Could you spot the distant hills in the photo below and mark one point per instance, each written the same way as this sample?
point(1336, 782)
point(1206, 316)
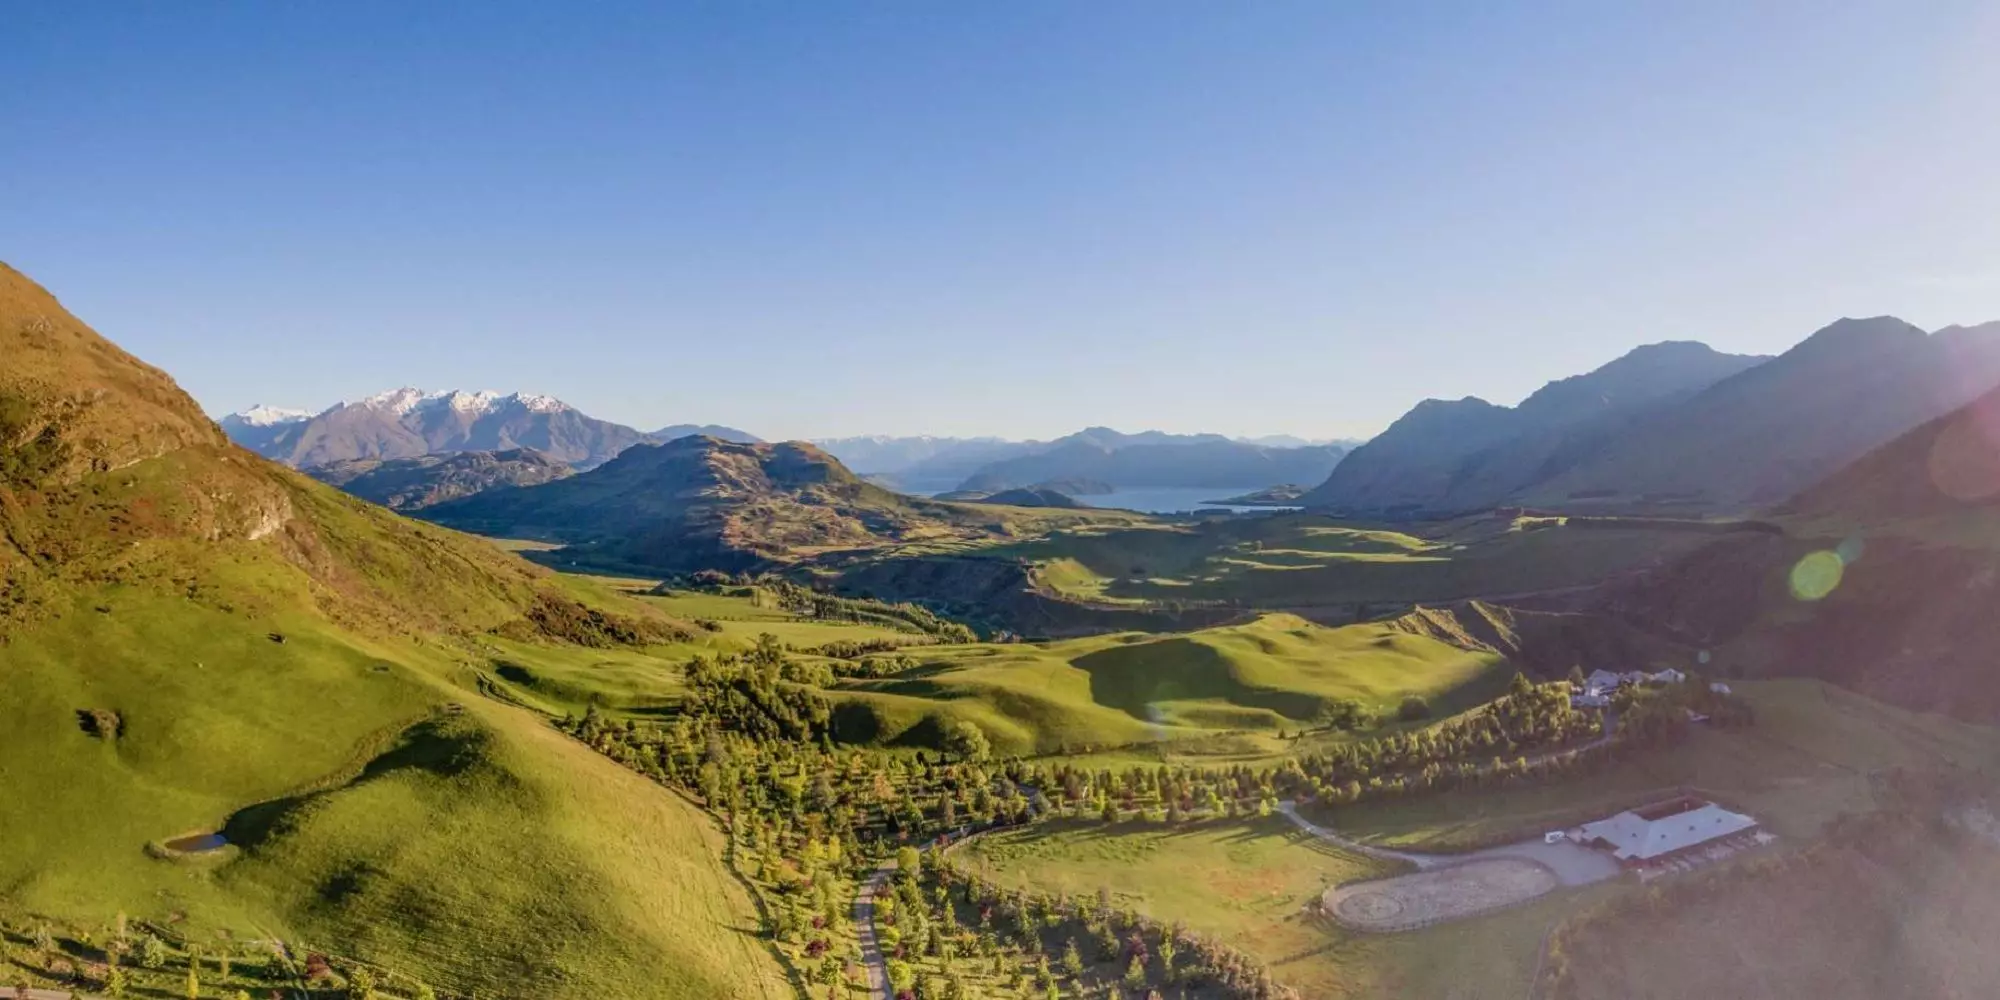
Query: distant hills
point(1156, 460)
point(409, 484)
point(412, 423)
point(1674, 427)
point(705, 503)
point(929, 465)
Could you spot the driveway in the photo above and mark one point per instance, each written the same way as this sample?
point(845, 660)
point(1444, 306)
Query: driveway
point(872, 961)
point(1573, 864)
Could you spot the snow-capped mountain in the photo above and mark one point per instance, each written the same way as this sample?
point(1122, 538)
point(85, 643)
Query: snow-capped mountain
point(411, 422)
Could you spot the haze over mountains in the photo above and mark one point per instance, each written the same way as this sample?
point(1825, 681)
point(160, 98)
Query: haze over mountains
point(1671, 427)
point(1148, 459)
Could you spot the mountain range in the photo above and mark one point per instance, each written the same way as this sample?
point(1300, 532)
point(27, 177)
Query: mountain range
point(1153, 460)
point(929, 465)
point(1671, 427)
point(412, 423)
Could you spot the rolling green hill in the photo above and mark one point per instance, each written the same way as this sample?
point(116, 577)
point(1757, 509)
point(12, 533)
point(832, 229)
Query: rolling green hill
point(193, 639)
point(1279, 671)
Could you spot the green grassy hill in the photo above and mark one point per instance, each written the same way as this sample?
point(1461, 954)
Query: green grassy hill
point(1277, 672)
point(1307, 561)
point(193, 639)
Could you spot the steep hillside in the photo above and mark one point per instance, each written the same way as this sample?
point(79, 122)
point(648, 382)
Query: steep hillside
point(1885, 583)
point(416, 483)
point(704, 503)
point(1451, 457)
point(1153, 460)
point(1757, 438)
point(193, 639)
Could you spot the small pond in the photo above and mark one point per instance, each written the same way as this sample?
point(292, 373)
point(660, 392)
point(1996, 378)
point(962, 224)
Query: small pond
point(197, 843)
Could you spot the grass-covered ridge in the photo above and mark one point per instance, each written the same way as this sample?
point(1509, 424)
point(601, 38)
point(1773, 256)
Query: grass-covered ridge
point(193, 639)
point(1278, 672)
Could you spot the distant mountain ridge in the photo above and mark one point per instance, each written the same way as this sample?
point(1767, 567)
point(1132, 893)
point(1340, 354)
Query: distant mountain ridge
point(924, 464)
point(1152, 459)
point(412, 423)
point(1672, 427)
point(705, 503)
point(1468, 454)
point(410, 484)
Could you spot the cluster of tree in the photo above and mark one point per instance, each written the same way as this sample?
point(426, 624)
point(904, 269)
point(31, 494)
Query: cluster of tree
point(948, 922)
point(552, 616)
point(777, 591)
point(128, 959)
point(869, 796)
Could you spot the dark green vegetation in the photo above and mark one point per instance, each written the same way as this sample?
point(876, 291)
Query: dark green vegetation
point(1031, 497)
point(1673, 427)
point(416, 483)
point(193, 639)
point(1341, 570)
point(1286, 495)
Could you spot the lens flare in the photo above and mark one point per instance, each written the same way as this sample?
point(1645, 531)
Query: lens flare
point(1817, 575)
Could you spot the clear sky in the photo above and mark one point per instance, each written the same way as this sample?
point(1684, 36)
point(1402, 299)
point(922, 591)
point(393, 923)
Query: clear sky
point(1018, 218)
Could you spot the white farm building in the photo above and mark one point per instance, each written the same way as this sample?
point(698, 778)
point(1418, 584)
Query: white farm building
point(1643, 836)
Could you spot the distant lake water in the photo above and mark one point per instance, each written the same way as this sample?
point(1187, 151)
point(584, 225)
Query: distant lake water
point(1168, 501)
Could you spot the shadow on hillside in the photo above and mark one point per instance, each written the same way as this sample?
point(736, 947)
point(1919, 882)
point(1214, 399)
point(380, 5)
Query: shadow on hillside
point(426, 746)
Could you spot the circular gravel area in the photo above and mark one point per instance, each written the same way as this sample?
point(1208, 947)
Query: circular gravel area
point(1452, 893)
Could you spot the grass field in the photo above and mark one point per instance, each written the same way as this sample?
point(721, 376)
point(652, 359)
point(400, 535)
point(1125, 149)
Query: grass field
point(1308, 560)
point(454, 851)
point(1817, 752)
point(1279, 671)
point(1248, 883)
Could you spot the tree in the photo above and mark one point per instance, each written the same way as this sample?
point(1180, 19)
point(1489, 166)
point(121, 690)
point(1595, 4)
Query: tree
point(968, 742)
point(115, 984)
point(361, 984)
point(1135, 973)
point(193, 979)
point(901, 976)
point(1072, 960)
point(1413, 708)
point(152, 953)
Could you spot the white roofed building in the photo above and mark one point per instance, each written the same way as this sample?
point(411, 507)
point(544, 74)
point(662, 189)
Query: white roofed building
point(1642, 836)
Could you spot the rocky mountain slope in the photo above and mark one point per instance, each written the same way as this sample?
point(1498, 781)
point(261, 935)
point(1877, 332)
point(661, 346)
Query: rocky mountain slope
point(415, 483)
point(1454, 456)
point(411, 423)
point(254, 633)
point(1757, 438)
point(1885, 582)
point(701, 502)
point(1156, 460)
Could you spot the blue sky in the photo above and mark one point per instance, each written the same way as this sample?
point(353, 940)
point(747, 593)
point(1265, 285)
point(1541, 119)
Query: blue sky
point(810, 219)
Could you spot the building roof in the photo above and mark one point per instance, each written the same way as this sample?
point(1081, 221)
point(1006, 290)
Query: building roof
point(1634, 837)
